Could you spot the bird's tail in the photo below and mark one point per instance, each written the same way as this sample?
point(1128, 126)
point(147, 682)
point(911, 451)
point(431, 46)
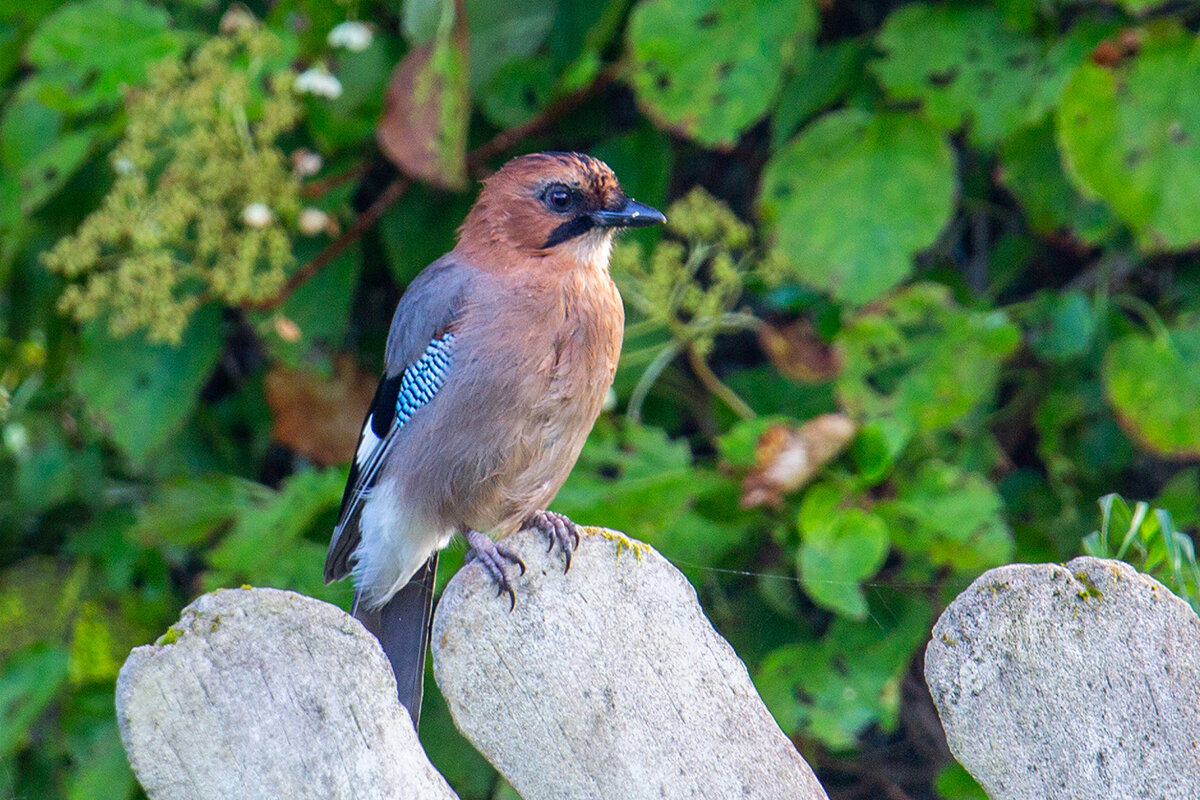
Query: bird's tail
point(402, 626)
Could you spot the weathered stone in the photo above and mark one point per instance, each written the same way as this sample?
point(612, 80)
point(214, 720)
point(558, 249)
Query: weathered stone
point(260, 693)
point(606, 682)
point(1070, 682)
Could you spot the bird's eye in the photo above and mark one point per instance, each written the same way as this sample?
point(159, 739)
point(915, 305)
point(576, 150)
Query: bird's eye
point(558, 198)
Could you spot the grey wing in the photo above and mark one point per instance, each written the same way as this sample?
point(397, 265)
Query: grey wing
point(420, 354)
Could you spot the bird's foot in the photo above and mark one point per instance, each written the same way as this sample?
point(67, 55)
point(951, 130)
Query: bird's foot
point(558, 529)
point(493, 557)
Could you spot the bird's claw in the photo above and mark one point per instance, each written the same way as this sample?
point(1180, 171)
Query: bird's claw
point(493, 557)
point(559, 529)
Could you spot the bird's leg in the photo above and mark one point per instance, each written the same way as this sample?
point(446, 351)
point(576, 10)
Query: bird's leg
point(493, 556)
point(558, 529)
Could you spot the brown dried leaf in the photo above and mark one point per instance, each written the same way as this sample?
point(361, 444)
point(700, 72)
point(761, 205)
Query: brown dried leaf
point(317, 417)
point(423, 130)
point(797, 351)
point(787, 458)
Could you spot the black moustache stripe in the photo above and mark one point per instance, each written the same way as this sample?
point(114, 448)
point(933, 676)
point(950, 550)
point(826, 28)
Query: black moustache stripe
point(569, 230)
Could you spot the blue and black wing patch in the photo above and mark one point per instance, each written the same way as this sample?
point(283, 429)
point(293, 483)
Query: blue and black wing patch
point(396, 400)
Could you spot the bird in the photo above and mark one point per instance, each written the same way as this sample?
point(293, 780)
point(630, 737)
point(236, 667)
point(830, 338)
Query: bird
point(498, 360)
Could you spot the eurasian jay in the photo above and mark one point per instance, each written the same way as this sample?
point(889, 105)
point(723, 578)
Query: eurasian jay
point(498, 359)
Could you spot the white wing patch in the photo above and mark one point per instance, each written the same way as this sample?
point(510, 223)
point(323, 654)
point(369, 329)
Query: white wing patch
point(367, 442)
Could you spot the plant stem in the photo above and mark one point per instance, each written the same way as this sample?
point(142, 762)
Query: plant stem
point(714, 385)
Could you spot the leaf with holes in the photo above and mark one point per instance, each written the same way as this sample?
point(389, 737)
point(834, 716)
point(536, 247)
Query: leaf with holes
point(950, 516)
point(710, 69)
point(835, 687)
point(1131, 135)
point(1154, 386)
point(855, 196)
point(921, 359)
point(963, 64)
point(94, 48)
point(423, 130)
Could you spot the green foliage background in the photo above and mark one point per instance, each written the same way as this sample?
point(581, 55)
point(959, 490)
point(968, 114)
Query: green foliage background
point(981, 218)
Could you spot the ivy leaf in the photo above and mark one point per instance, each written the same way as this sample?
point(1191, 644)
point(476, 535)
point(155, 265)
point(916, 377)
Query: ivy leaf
point(962, 64)
point(921, 359)
point(855, 196)
point(1154, 387)
point(423, 130)
point(1131, 135)
point(840, 547)
point(95, 47)
point(834, 688)
point(143, 393)
point(951, 516)
point(711, 68)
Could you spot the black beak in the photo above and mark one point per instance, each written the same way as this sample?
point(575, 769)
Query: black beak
point(631, 215)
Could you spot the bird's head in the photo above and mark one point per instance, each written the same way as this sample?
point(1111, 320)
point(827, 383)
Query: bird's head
point(553, 204)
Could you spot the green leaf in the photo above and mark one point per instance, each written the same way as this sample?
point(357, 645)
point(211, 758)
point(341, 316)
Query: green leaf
point(639, 481)
point(320, 308)
point(100, 767)
point(855, 196)
point(837, 686)
point(518, 90)
point(29, 681)
point(1067, 326)
point(143, 393)
point(711, 68)
point(187, 512)
point(1154, 387)
point(37, 598)
point(879, 443)
point(921, 359)
point(1131, 135)
point(419, 229)
point(36, 158)
point(1031, 169)
point(96, 47)
point(499, 32)
point(951, 516)
point(962, 64)
point(502, 33)
point(955, 783)
point(267, 546)
point(832, 72)
point(840, 547)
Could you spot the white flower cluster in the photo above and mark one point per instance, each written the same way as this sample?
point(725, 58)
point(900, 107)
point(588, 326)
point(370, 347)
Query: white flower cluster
point(352, 36)
point(318, 81)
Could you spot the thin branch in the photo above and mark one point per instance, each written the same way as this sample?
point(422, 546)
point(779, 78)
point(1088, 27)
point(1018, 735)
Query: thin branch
point(506, 140)
point(495, 146)
point(320, 187)
point(362, 223)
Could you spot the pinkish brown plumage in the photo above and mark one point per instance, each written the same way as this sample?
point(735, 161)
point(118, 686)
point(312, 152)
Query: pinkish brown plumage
point(498, 360)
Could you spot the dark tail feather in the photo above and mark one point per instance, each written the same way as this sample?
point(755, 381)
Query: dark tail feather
point(402, 627)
